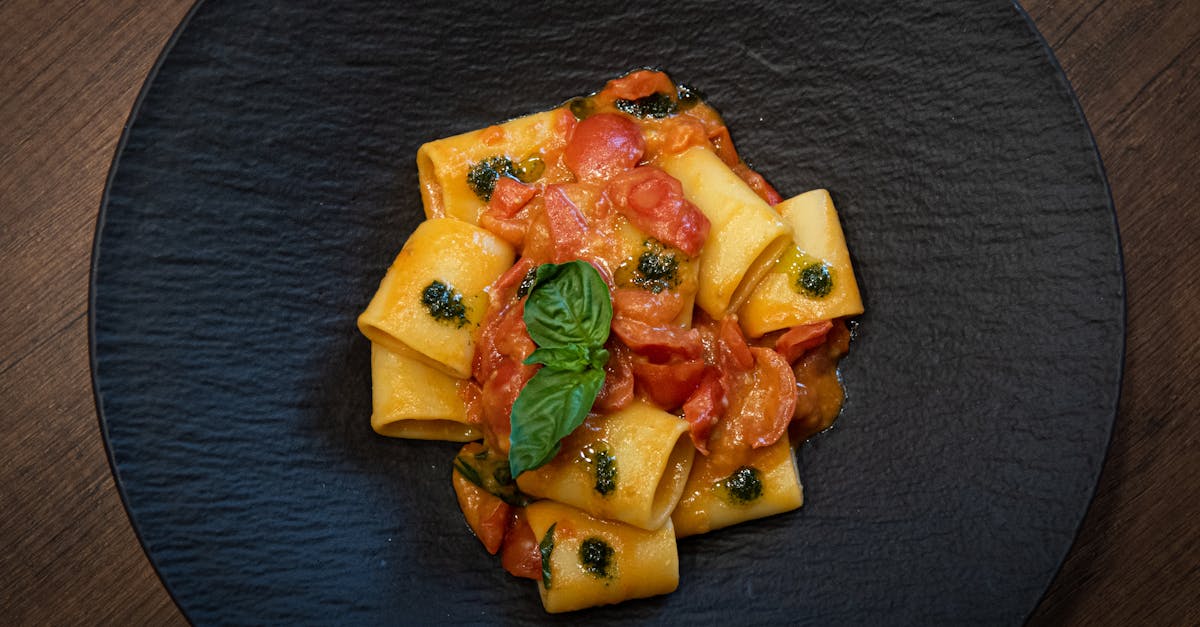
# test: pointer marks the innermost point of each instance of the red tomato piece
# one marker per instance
(568, 227)
(658, 343)
(758, 184)
(653, 201)
(603, 146)
(485, 513)
(669, 384)
(704, 407)
(508, 197)
(617, 391)
(500, 391)
(801, 338)
(733, 342)
(639, 84)
(723, 145)
(648, 307)
(771, 400)
(519, 554)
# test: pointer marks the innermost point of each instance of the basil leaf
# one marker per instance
(551, 405)
(568, 305)
(546, 548)
(575, 358)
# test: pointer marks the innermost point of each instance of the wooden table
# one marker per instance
(70, 71)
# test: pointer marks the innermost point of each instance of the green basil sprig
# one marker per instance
(568, 314)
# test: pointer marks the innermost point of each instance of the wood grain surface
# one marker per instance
(70, 72)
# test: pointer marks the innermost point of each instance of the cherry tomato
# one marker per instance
(704, 407)
(519, 554)
(653, 201)
(801, 338)
(603, 146)
(485, 513)
(668, 384)
(658, 343)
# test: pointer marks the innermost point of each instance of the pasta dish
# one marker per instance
(627, 326)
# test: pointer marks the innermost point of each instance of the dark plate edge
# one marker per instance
(91, 312)
(1066, 83)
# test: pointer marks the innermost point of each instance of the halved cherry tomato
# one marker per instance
(485, 513)
(603, 146)
(668, 384)
(653, 201)
(658, 343)
(644, 306)
(800, 338)
(519, 554)
(765, 400)
(704, 407)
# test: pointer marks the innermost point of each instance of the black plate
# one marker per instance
(269, 177)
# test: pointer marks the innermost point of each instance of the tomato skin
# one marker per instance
(617, 391)
(766, 399)
(653, 201)
(638, 84)
(486, 514)
(758, 184)
(603, 146)
(568, 226)
(639, 304)
(668, 384)
(733, 343)
(509, 196)
(800, 338)
(704, 408)
(519, 554)
(658, 343)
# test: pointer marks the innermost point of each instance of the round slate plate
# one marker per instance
(268, 179)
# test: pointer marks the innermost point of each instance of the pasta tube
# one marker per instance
(630, 466)
(746, 236)
(433, 297)
(443, 165)
(726, 488)
(587, 561)
(412, 400)
(814, 281)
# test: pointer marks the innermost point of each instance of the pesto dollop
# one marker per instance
(443, 303)
(815, 280)
(656, 105)
(657, 268)
(482, 176)
(606, 473)
(596, 557)
(744, 485)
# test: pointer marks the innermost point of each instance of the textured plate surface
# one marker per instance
(269, 177)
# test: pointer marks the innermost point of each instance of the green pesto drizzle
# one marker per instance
(596, 557)
(744, 485)
(606, 473)
(443, 303)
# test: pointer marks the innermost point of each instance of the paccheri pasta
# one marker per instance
(632, 321)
